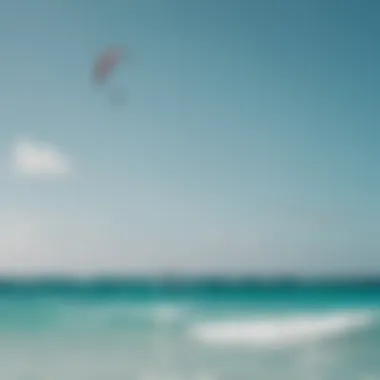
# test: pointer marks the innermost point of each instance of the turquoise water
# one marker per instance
(120, 333)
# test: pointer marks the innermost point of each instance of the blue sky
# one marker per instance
(248, 142)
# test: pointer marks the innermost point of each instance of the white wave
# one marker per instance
(277, 332)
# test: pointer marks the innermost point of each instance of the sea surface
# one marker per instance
(78, 332)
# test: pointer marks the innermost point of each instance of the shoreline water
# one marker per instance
(66, 331)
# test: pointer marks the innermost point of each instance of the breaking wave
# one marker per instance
(276, 332)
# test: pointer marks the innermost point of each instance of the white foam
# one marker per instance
(277, 332)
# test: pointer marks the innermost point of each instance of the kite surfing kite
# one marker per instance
(105, 65)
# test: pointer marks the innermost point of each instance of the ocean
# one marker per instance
(124, 331)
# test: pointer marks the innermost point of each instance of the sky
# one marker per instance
(247, 142)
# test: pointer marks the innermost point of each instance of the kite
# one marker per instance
(105, 64)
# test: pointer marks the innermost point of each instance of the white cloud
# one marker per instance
(37, 159)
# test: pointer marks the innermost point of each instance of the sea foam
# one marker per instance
(276, 332)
